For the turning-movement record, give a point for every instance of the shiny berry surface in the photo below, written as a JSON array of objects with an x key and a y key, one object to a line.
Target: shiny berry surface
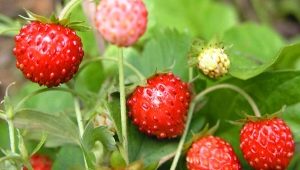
[
  {"x": 212, "y": 153},
  {"x": 160, "y": 107},
  {"x": 267, "y": 144},
  {"x": 48, "y": 54}
]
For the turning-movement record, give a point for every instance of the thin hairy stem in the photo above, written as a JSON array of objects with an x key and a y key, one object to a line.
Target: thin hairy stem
[{"x": 123, "y": 103}]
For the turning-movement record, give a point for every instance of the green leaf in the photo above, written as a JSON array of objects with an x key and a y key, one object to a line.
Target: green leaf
[
  {"x": 90, "y": 45},
  {"x": 60, "y": 100},
  {"x": 152, "y": 166},
  {"x": 270, "y": 91},
  {"x": 292, "y": 116},
  {"x": 90, "y": 78},
  {"x": 294, "y": 164},
  {"x": 167, "y": 50},
  {"x": 102, "y": 134},
  {"x": 254, "y": 49},
  {"x": 148, "y": 149},
  {"x": 91, "y": 136},
  {"x": 58, "y": 125},
  {"x": 69, "y": 158},
  {"x": 113, "y": 108},
  {"x": 289, "y": 57},
  {"x": 203, "y": 18}
]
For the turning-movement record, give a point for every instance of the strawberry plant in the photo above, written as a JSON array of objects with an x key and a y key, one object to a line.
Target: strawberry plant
[{"x": 140, "y": 85}]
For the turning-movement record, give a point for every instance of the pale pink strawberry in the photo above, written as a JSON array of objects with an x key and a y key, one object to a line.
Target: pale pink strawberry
[{"x": 121, "y": 22}]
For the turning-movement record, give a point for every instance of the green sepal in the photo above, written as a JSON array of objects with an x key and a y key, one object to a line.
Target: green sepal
[
  {"x": 8, "y": 105},
  {"x": 34, "y": 17},
  {"x": 76, "y": 25},
  {"x": 54, "y": 19},
  {"x": 206, "y": 131},
  {"x": 199, "y": 45},
  {"x": 252, "y": 118}
]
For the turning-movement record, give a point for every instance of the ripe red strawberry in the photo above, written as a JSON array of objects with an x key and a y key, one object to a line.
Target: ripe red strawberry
[
  {"x": 48, "y": 54},
  {"x": 40, "y": 162},
  {"x": 212, "y": 153},
  {"x": 267, "y": 144},
  {"x": 160, "y": 107},
  {"x": 121, "y": 22}
]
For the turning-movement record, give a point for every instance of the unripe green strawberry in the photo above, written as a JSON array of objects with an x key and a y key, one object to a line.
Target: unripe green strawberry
[
  {"x": 213, "y": 61},
  {"x": 267, "y": 144},
  {"x": 121, "y": 22},
  {"x": 212, "y": 153},
  {"x": 48, "y": 54},
  {"x": 160, "y": 107}
]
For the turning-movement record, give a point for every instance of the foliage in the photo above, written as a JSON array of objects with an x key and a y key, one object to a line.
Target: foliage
[{"x": 263, "y": 63}]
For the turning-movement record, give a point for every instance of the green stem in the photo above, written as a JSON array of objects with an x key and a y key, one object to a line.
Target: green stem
[
  {"x": 80, "y": 125},
  {"x": 11, "y": 130},
  {"x": 192, "y": 107},
  {"x": 78, "y": 116},
  {"x": 191, "y": 74},
  {"x": 123, "y": 103},
  {"x": 135, "y": 70},
  {"x": 182, "y": 140},
  {"x": 68, "y": 9}
]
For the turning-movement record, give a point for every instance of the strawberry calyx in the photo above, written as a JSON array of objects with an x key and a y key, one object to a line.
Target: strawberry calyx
[
  {"x": 252, "y": 118},
  {"x": 143, "y": 83},
  {"x": 210, "y": 58},
  {"x": 199, "y": 46},
  {"x": 206, "y": 131},
  {"x": 74, "y": 25}
]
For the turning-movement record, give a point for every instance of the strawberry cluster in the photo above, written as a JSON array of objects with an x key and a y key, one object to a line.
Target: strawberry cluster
[{"x": 50, "y": 54}]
